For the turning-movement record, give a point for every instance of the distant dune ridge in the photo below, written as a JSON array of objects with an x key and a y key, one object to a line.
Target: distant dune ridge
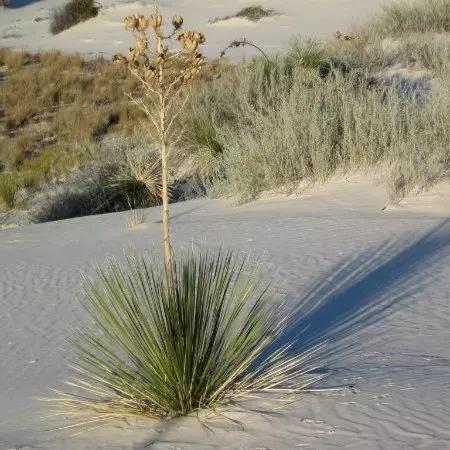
[{"x": 105, "y": 35}]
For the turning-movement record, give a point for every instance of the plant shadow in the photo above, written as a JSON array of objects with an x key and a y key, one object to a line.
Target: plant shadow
[{"x": 361, "y": 292}]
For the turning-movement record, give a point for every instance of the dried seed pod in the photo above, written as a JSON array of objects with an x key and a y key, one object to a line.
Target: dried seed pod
[
  {"x": 143, "y": 24},
  {"x": 198, "y": 60},
  {"x": 160, "y": 58},
  {"x": 200, "y": 37},
  {"x": 177, "y": 22},
  {"x": 190, "y": 40},
  {"x": 131, "y": 22},
  {"x": 156, "y": 21}
]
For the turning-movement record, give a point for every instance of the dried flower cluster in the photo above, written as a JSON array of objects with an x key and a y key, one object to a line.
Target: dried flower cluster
[{"x": 179, "y": 66}]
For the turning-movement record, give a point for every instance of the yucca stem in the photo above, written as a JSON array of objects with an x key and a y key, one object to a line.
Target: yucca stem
[{"x": 165, "y": 168}]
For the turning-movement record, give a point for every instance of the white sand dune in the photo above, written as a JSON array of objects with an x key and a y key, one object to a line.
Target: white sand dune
[
  {"x": 375, "y": 283},
  {"x": 28, "y": 27}
]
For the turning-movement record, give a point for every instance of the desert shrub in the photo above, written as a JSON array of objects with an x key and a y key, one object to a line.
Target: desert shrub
[
  {"x": 252, "y": 13},
  {"x": 286, "y": 127},
  {"x": 73, "y": 12},
  {"x": 406, "y": 17},
  {"x": 9, "y": 189},
  {"x": 430, "y": 52},
  {"x": 157, "y": 353}
]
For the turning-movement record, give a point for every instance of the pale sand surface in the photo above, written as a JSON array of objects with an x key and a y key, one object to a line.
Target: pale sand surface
[
  {"x": 392, "y": 273},
  {"x": 105, "y": 33}
]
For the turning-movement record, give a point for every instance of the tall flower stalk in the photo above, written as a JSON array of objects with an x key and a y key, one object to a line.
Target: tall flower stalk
[{"x": 164, "y": 75}]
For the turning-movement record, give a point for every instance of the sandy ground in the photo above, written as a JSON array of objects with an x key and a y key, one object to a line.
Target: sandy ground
[
  {"x": 374, "y": 281},
  {"x": 28, "y": 26}
]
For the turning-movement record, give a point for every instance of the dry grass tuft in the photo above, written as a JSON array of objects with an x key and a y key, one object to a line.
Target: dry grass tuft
[{"x": 136, "y": 218}]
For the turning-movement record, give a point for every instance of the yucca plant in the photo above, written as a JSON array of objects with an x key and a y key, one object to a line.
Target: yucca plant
[
  {"x": 170, "y": 339},
  {"x": 140, "y": 181},
  {"x": 164, "y": 353}
]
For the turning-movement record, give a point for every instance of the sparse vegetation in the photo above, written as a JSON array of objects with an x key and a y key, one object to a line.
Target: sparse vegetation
[
  {"x": 73, "y": 12},
  {"x": 56, "y": 110},
  {"x": 407, "y": 17},
  {"x": 252, "y": 13},
  {"x": 56, "y": 101}
]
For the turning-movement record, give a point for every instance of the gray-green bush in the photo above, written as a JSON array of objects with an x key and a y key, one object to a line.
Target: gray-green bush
[
  {"x": 73, "y": 12},
  {"x": 284, "y": 126}
]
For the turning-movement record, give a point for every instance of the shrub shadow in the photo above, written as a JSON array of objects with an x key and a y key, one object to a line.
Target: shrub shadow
[{"x": 360, "y": 292}]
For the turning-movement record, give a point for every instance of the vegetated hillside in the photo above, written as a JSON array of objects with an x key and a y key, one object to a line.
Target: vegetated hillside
[{"x": 376, "y": 98}]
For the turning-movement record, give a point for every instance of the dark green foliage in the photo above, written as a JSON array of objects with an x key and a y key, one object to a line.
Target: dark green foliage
[{"x": 74, "y": 12}]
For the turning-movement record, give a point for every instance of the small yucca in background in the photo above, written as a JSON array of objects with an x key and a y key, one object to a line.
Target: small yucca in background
[
  {"x": 140, "y": 180},
  {"x": 163, "y": 353}
]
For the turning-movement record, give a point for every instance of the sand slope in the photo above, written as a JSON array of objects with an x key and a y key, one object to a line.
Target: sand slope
[
  {"x": 375, "y": 283},
  {"x": 28, "y": 26}
]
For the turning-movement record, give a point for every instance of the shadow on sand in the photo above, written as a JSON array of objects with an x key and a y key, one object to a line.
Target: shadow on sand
[
  {"x": 362, "y": 291},
  {"x": 14, "y": 4},
  {"x": 356, "y": 294}
]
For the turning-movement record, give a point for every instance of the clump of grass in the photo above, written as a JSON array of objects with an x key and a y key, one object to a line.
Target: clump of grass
[
  {"x": 202, "y": 142},
  {"x": 9, "y": 189},
  {"x": 164, "y": 353},
  {"x": 252, "y": 13},
  {"x": 73, "y": 12},
  {"x": 307, "y": 54},
  {"x": 408, "y": 17}
]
